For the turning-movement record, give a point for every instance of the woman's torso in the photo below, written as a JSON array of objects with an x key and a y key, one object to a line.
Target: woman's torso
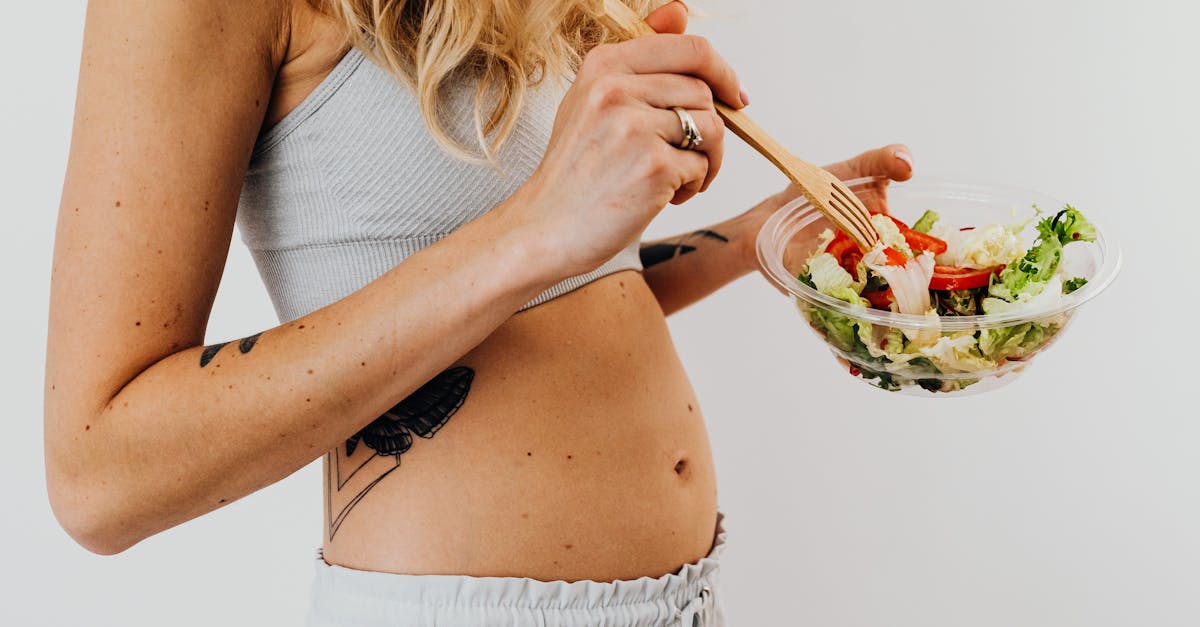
[{"x": 579, "y": 451}]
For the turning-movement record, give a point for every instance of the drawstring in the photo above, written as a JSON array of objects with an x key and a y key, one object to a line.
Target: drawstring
[{"x": 692, "y": 613}]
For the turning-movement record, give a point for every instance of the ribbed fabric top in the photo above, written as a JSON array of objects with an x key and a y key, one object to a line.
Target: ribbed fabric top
[{"x": 350, "y": 183}]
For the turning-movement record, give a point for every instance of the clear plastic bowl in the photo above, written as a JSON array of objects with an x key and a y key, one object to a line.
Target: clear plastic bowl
[{"x": 789, "y": 238}]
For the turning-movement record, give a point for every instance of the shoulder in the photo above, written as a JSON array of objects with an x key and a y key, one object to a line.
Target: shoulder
[{"x": 207, "y": 32}]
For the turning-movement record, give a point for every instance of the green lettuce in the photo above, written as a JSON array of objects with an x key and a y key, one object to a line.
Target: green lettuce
[
  {"x": 1029, "y": 275},
  {"x": 1073, "y": 284},
  {"x": 1067, "y": 226},
  {"x": 926, "y": 222},
  {"x": 828, "y": 276}
]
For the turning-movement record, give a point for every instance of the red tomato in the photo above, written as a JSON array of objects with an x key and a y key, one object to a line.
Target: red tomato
[
  {"x": 923, "y": 241},
  {"x": 846, "y": 252},
  {"x": 894, "y": 257},
  {"x": 920, "y": 241},
  {"x": 880, "y": 300},
  {"x": 840, "y": 246},
  {"x": 948, "y": 278}
]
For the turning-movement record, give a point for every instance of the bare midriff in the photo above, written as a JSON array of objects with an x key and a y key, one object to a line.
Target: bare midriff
[{"x": 579, "y": 453}]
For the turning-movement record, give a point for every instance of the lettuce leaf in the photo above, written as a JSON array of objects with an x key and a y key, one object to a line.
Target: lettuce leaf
[
  {"x": 925, "y": 223},
  {"x": 828, "y": 276},
  {"x": 958, "y": 353},
  {"x": 890, "y": 234},
  {"x": 1067, "y": 226},
  {"x": 1073, "y": 284}
]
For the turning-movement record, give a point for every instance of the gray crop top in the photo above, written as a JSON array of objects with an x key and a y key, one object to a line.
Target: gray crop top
[{"x": 350, "y": 183}]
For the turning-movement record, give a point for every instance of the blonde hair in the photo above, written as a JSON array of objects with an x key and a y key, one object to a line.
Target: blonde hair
[{"x": 507, "y": 45}]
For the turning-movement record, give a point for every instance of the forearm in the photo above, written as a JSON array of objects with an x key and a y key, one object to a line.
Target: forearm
[
  {"x": 208, "y": 425},
  {"x": 684, "y": 269}
]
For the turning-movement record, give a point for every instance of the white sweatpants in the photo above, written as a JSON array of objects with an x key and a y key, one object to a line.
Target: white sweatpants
[{"x": 346, "y": 597}]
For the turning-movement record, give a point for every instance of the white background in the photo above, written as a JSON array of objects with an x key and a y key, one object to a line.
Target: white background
[{"x": 1071, "y": 497}]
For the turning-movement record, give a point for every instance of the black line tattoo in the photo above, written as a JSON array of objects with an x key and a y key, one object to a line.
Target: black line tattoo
[
  {"x": 654, "y": 254},
  {"x": 712, "y": 235},
  {"x": 248, "y": 343},
  {"x": 389, "y": 436},
  {"x": 211, "y": 351}
]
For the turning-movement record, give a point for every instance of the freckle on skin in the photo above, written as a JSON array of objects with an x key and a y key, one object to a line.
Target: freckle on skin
[
  {"x": 221, "y": 501},
  {"x": 310, "y": 371},
  {"x": 363, "y": 364},
  {"x": 308, "y": 400},
  {"x": 117, "y": 204},
  {"x": 529, "y": 454},
  {"x": 690, "y": 407},
  {"x": 87, "y": 427},
  {"x": 138, "y": 323},
  {"x": 525, "y": 515},
  {"x": 570, "y": 457},
  {"x": 568, "y": 546}
]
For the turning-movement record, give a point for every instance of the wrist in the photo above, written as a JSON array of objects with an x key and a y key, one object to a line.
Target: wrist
[
  {"x": 748, "y": 225},
  {"x": 523, "y": 247}
]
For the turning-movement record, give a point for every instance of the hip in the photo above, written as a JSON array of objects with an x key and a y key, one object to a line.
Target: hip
[{"x": 688, "y": 596}]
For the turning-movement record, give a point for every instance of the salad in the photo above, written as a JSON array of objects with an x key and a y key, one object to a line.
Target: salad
[{"x": 938, "y": 270}]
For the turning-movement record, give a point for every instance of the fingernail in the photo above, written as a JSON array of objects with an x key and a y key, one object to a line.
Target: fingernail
[
  {"x": 745, "y": 98},
  {"x": 685, "y": 6},
  {"x": 905, "y": 157}
]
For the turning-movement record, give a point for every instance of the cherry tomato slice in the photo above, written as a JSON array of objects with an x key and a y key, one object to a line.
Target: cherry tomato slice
[
  {"x": 880, "y": 299},
  {"x": 948, "y": 278},
  {"x": 894, "y": 257},
  {"x": 924, "y": 241},
  {"x": 919, "y": 241}
]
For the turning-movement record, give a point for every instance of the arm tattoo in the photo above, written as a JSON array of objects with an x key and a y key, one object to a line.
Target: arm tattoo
[
  {"x": 388, "y": 437},
  {"x": 654, "y": 254},
  {"x": 211, "y": 351}
]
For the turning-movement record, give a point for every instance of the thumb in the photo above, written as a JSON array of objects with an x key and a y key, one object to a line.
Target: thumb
[
  {"x": 670, "y": 18},
  {"x": 893, "y": 162}
]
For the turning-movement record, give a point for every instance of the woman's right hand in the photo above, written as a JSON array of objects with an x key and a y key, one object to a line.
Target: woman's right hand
[{"x": 612, "y": 162}]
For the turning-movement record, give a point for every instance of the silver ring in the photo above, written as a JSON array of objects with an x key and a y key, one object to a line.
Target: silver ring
[{"x": 691, "y": 133}]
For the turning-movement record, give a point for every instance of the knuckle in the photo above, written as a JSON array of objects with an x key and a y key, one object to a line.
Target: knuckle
[
  {"x": 700, "y": 48},
  {"x": 599, "y": 58},
  {"x": 715, "y": 123},
  {"x": 653, "y": 165},
  {"x": 607, "y": 92},
  {"x": 629, "y": 132},
  {"x": 700, "y": 90}
]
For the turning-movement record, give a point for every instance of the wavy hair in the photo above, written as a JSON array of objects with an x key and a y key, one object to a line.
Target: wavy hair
[{"x": 507, "y": 45}]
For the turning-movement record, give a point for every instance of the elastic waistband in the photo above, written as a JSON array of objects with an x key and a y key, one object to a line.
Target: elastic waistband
[{"x": 347, "y": 596}]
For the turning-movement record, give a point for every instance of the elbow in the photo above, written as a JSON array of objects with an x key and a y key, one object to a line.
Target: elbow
[{"x": 82, "y": 513}]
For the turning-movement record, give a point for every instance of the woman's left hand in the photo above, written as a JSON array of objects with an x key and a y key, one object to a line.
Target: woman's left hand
[{"x": 890, "y": 163}]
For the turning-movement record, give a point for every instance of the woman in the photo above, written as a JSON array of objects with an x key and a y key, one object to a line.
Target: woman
[{"x": 474, "y": 343}]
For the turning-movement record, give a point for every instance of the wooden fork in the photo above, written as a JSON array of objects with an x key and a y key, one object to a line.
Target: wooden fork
[{"x": 823, "y": 190}]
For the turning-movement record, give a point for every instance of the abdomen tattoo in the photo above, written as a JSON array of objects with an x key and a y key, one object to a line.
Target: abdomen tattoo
[{"x": 374, "y": 452}]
